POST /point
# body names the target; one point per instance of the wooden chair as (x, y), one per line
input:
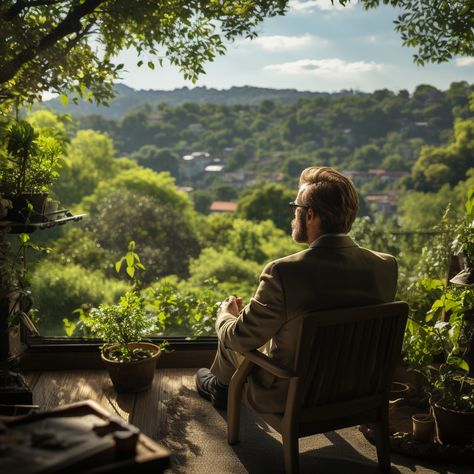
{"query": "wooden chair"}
(344, 366)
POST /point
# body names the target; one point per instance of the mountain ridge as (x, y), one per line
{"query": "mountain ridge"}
(128, 99)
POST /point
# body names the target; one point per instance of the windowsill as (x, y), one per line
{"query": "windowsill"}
(61, 353)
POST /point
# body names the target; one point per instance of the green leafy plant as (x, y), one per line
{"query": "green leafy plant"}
(31, 159)
(446, 332)
(184, 310)
(15, 277)
(126, 322)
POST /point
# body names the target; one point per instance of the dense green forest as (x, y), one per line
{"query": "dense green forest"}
(130, 177)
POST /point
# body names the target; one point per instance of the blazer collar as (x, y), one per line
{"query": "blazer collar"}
(333, 240)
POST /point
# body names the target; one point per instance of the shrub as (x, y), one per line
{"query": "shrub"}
(60, 289)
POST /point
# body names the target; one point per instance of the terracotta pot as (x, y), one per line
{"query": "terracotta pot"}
(135, 376)
(399, 390)
(453, 427)
(423, 427)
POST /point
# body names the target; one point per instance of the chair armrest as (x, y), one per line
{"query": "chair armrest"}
(269, 365)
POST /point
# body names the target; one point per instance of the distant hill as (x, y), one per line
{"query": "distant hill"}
(128, 99)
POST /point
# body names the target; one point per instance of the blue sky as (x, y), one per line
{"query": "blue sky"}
(316, 47)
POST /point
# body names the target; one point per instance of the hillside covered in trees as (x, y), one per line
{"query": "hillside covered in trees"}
(360, 132)
(151, 177)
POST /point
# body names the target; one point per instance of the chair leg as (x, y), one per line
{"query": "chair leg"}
(233, 417)
(382, 442)
(234, 397)
(290, 451)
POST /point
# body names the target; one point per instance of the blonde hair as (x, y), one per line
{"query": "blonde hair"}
(332, 196)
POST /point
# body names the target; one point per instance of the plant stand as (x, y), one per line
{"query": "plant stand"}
(13, 388)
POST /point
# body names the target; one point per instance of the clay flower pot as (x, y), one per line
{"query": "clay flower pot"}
(452, 427)
(423, 427)
(133, 376)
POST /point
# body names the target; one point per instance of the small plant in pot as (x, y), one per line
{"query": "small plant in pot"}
(439, 338)
(29, 166)
(451, 388)
(130, 361)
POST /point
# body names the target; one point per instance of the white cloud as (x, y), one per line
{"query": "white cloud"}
(280, 42)
(467, 61)
(333, 67)
(311, 5)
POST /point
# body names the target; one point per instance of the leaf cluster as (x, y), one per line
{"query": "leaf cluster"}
(31, 159)
(48, 45)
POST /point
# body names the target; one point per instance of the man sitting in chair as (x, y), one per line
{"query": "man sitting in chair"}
(334, 272)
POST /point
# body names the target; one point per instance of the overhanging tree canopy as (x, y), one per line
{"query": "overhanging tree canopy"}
(439, 29)
(70, 44)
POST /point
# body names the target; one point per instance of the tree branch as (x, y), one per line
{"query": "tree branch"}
(70, 24)
(20, 5)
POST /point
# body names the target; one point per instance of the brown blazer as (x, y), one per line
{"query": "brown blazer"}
(334, 273)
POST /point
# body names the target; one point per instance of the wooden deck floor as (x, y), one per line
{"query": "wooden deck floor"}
(173, 414)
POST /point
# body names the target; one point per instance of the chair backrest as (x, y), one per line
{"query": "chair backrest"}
(349, 353)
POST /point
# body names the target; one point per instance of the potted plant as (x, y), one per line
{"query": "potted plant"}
(130, 361)
(30, 165)
(438, 342)
(451, 389)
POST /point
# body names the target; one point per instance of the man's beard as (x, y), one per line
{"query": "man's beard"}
(299, 232)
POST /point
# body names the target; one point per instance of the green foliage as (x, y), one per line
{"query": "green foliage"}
(183, 310)
(463, 242)
(81, 247)
(157, 186)
(132, 265)
(163, 232)
(128, 321)
(446, 164)
(123, 323)
(267, 202)
(439, 30)
(31, 160)
(423, 211)
(233, 274)
(59, 289)
(91, 159)
(447, 327)
(47, 46)
(451, 338)
(202, 200)
(150, 156)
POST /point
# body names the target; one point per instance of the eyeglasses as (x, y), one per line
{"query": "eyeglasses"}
(294, 205)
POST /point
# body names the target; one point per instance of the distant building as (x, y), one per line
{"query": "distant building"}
(218, 207)
(185, 189)
(154, 118)
(383, 175)
(196, 128)
(276, 177)
(194, 164)
(239, 179)
(214, 168)
(382, 202)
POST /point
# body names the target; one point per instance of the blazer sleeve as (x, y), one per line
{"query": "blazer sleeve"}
(260, 320)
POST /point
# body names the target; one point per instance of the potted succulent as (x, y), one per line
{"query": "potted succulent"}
(29, 166)
(130, 361)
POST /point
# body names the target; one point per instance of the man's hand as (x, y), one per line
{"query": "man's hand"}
(232, 305)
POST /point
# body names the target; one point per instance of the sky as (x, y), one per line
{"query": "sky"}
(315, 47)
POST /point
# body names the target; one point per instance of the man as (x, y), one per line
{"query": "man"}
(333, 272)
